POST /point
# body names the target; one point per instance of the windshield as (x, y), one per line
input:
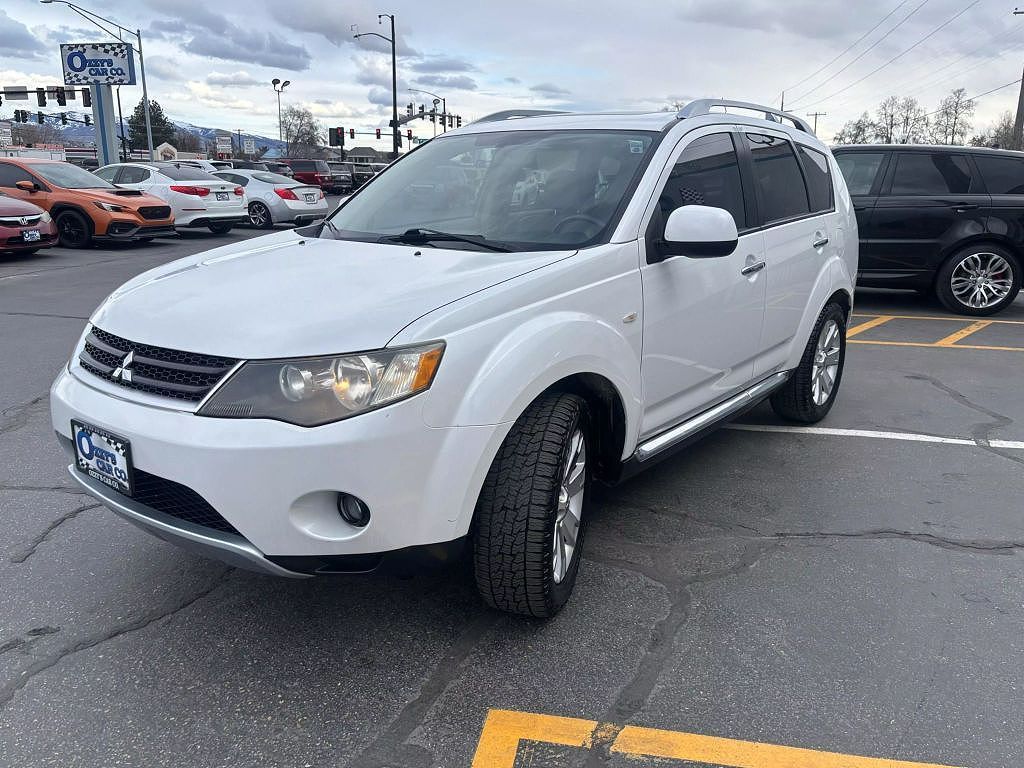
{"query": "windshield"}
(69, 176)
(527, 190)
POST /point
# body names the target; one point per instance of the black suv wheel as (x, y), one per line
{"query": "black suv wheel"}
(978, 280)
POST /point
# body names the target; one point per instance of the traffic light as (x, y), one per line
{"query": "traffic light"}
(41, 97)
(433, 115)
(336, 137)
(351, 133)
(63, 118)
(408, 109)
(39, 117)
(458, 121)
(378, 133)
(62, 99)
(86, 97)
(88, 118)
(409, 134)
(421, 111)
(451, 121)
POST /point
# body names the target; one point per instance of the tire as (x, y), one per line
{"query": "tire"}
(260, 216)
(73, 229)
(998, 269)
(519, 508)
(799, 399)
(221, 228)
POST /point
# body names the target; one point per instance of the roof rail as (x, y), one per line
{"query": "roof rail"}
(512, 114)
(704, 106)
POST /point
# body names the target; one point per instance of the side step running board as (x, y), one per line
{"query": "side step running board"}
(709, 417)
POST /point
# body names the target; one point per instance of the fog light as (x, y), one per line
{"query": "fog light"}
(353, 510)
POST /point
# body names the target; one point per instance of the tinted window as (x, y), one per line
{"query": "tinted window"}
(186, 173)
(1002, 175)
(707, 173)
(10, 175)
(129, 174)
(860, 169)
(303, 166)
(920, 173)
(69, 176)
(782, 193)
(107, 174)
(273, 178)
(819, 180)
(233, 178)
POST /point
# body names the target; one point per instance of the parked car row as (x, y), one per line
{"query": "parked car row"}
(43, 202)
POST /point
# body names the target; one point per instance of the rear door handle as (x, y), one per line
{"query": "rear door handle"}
(821, 242)
(750, 269)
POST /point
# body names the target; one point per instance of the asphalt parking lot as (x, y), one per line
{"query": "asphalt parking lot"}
(774, 596)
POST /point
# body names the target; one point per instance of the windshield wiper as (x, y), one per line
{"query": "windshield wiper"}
(423, 235)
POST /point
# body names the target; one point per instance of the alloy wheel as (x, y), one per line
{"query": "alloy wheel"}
(825, 369)
(981, 280)
(570, 507)
(258, 214)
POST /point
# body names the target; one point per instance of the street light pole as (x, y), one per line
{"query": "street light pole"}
(278, 87)
(95, 19)
(394, 77)
(444, 107)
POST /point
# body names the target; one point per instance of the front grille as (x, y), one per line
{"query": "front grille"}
(20, 221)
(155, 211)
(178, 501)
(158, 371)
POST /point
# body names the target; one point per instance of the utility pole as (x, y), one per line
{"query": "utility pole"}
(1018, 123)
(394, 77)
(816, 115)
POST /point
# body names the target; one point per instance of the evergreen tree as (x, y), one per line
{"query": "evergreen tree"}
(163, 129)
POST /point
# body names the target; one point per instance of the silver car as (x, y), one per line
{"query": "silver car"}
(275, 199)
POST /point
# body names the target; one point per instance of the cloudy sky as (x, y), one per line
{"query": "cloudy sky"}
(211, 63)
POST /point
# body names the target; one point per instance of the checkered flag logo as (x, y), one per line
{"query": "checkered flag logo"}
(119, 52)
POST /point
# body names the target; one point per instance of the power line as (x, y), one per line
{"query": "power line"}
(848, 48)
(941, 26)
(980, 95)
(863, 53)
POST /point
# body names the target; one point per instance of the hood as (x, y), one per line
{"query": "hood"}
(284, 295)
(117, 196)
(11, 206)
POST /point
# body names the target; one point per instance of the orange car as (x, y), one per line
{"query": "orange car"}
(83, 206)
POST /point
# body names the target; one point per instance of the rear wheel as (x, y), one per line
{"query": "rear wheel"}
(811, 390)
(531, 515)
(221, 228)
(73, 229)
(260, 216)
(980, 280)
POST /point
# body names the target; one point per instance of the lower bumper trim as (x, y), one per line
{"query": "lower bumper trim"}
(233, 550)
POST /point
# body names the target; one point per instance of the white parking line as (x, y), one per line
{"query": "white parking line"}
(1012, 445)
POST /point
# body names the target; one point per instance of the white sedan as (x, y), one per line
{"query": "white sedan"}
(197, 198)
(276, 199)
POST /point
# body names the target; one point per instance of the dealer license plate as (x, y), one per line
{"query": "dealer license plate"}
(222, 195)
(30, 235)
(103, 456)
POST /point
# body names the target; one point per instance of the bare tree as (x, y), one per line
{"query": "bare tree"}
(952, 119)
(302, 132)
(911, 122)
(999, 134)
(860, 131)
(186, 141)
(33, 133)
(887, 120)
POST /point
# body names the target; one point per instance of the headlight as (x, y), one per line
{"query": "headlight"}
(108, 206)
(314, 391)
(45, 218)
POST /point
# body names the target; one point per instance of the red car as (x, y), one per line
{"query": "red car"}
(314, 172)
(24, 227)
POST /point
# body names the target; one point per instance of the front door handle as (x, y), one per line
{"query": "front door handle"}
(750, 269)
(964, 207)
(821, 242)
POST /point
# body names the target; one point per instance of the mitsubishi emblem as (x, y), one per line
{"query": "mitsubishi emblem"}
(123, 372)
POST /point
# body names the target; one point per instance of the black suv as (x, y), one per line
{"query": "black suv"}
(342, 176)
(948, 220)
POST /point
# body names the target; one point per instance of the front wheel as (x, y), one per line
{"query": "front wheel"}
(810, 392)
(530, 516)
(220, 228)
(73, 230)
(980, 280)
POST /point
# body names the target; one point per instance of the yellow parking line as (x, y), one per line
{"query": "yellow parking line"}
(963, 333)
(932, 317)
(933, 345)
(503, 730)
(868, 325)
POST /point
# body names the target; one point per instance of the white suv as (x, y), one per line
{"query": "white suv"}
(509, 313)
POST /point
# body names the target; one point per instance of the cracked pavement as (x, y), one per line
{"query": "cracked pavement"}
(852, 595)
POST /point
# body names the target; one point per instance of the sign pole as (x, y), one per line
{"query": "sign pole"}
(145, 98)
(103, 117)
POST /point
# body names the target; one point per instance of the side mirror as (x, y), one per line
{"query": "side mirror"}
(28, 186)
(700, 231)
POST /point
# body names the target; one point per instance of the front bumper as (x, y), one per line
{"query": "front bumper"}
(131, 230)
(277, 483)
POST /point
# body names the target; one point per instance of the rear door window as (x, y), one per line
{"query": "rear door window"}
(931, 173)
(819, 178)
(860, 170)
(1002, 175)
(782, 193)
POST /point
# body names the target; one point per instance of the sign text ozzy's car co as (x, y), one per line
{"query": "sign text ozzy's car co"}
(98, 63)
